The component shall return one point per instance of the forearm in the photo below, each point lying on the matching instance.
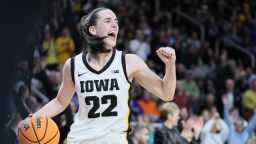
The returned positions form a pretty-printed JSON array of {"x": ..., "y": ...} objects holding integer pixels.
[
  {"x": 51, "y": 109},
  {"x": 227, "y": 118},
  {"x": 169, "y": 82}
]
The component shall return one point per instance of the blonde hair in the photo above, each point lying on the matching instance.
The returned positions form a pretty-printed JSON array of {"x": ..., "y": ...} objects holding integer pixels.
[{"x": 168, "y": 108}]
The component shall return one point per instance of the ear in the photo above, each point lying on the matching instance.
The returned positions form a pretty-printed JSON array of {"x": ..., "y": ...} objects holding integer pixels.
[
  {"x": 169, "y": 116},
  {"x": 92, "y": 30}
]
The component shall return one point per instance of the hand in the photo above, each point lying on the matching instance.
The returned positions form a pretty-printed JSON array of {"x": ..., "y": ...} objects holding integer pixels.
[
  {"x": 167, "y": 55},
  {"x": 21, "y": 123},
  {"x": 224, "y": 100}
]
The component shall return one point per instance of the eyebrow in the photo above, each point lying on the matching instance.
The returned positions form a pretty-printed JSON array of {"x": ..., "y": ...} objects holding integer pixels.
[{"x": 110, "y": 19}]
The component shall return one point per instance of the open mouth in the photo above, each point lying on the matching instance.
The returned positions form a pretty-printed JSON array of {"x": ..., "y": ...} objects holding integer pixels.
[{"x": 112, "y": 34}]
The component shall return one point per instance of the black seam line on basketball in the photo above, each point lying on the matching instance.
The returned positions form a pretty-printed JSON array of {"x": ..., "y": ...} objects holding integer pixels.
[
  {"x": 52, "y": 137},
  {"x": 26, "y": 137},
  {"x": 45, "y": 128},
  {"x": 35, "y": 132}
]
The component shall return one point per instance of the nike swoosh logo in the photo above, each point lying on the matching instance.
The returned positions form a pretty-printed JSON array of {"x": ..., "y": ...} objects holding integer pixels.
[
  {"x": 81, "y": 74},
  {"x": 115, "y": 71}
]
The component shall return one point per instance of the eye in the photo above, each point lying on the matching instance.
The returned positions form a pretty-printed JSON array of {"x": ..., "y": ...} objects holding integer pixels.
[
  {"x": 116, "y": 20},
  {"x": 107, "y": 21}
]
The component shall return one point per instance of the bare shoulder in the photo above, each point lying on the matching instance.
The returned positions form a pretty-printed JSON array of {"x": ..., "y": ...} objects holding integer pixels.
[
  {"x": 134, "y": 64},
  {"x": 67, "y": 65},
  {"x": 133, "y": 59},
  {"x": 67, "y": 70}
]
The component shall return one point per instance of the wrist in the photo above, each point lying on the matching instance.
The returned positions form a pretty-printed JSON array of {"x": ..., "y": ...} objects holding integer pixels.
[{"x": 170, "y": 65}]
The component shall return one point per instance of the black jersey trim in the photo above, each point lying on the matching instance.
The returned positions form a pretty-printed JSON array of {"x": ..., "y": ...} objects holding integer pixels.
[
  {"x": 124, "y": 67},
  {"x": 73, "y": 69},
  {"x": 104, "y": 68}
]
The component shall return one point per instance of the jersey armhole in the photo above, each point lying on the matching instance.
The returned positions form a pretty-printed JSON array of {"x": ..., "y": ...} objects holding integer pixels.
[
  {"x": 124, "y": 67},
  {"x": 72, "y": 69}
]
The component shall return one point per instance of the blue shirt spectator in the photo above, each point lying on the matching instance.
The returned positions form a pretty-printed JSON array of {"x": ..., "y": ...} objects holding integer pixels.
[{"x": 239, "y": 133}]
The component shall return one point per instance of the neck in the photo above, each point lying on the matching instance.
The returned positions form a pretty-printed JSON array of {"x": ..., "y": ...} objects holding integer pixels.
[
  {"x": 169, "y": 124},
  {"x": 99, "y": 59}
]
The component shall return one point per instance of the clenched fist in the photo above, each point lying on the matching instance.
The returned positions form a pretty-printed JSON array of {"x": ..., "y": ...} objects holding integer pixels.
[{"x": 167, "y": 55}]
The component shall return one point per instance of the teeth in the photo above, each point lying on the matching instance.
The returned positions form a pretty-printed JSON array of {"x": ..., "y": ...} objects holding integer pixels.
[{"x": 113, "y": 32}]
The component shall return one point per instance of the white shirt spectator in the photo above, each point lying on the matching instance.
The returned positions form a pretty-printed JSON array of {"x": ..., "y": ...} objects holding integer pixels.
[
  {"x": 140, "y": 48},
  {"x": 209, "y": 137}
]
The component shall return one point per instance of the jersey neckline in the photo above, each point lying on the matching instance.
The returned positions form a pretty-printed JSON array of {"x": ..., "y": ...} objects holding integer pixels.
[{"x": 102, "y": 69}]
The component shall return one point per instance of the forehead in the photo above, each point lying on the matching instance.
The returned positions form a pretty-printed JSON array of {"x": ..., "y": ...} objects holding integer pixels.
[{"x": 107, "y": 13}]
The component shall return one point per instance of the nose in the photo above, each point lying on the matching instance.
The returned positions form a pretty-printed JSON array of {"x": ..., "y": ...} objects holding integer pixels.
[{"x": 114, "y": 25}]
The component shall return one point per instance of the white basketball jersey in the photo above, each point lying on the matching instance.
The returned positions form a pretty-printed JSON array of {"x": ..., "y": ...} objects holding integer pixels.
[{"x": 103, "y": 99}]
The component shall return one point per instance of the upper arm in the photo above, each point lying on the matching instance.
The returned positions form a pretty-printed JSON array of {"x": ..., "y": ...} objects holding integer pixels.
[
  {"x": 67, "y": 87},
  {"x": 138, "y": 70}
]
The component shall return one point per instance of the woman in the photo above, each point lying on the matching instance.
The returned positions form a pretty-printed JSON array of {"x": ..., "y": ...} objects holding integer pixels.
[{"x": 101, "y": 76}]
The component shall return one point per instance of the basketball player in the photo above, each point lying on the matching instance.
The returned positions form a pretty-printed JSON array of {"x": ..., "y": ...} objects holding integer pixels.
[{"x": 101, "y": 76}]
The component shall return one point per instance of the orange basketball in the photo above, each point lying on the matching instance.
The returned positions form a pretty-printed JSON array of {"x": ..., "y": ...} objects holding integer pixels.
[{"x": 38, "y": 130}]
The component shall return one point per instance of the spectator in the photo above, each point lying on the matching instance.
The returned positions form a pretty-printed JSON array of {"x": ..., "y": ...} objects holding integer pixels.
[
  {"x": 239, "y": 131},
  {"x": 149, "y": 106},
  {"x": 140, "y": 135},
  {"x": 49, "y": 50},
  {"x": 189, "y": 85},
  {"x": 215, "y": 130},
  {"x": 190, "y": 57},
  {"x": 234, "y": 99},
  {"x": 65, "y": 46},
  {"x": 139, "y": 46},
  {"x": 196, "y": 123},
  {"x": 169, "y": 133},
  {"x": 135, "y": 108},
  {"x": 209, "y": 102},
  {"x": 180, "y": 98},
  {"x": 249, "y": 100}
]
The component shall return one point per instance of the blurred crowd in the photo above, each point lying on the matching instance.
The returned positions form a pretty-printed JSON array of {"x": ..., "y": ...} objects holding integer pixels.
[{"x": 215, "y": 98}]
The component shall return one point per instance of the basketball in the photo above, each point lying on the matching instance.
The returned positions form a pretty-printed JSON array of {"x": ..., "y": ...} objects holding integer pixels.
[{"x": 38, "y": 129}]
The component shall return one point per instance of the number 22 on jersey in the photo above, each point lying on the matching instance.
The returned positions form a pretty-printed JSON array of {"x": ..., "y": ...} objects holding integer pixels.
[{"x": 96, "y": 102}]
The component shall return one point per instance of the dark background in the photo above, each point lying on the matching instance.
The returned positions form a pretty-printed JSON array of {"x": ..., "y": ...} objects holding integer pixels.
[{"x": 17, "y": 24}]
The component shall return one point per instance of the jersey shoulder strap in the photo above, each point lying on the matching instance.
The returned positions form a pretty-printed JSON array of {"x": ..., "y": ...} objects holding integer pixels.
[{"x": 72, "y": 64}]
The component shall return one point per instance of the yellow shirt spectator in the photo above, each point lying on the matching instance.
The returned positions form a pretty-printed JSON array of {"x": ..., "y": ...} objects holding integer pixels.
[
  {"x": 65, "y": 46},
  {"x": 48, "y": 46}
]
